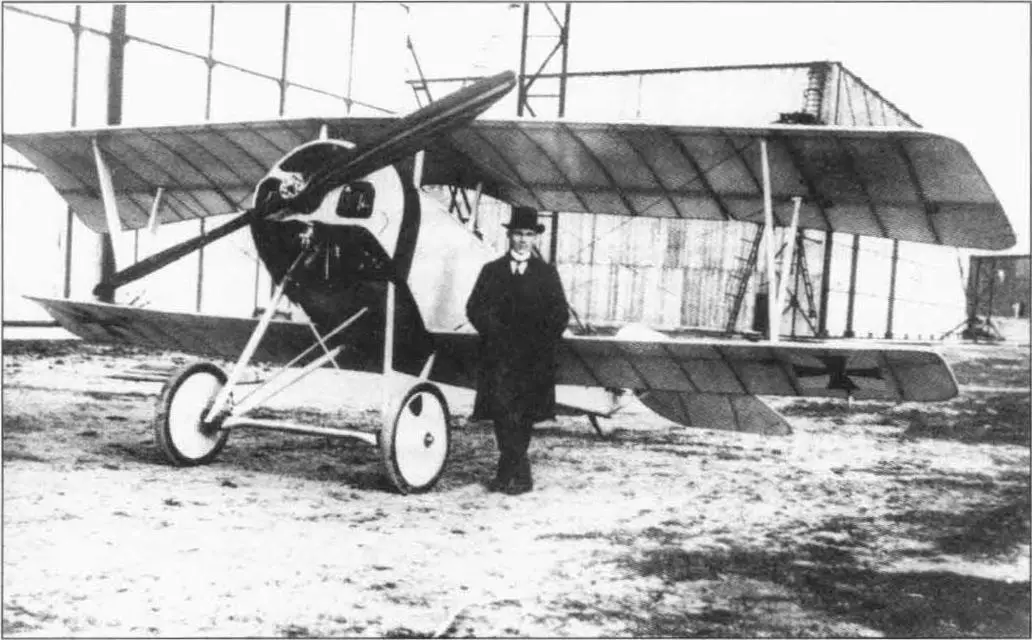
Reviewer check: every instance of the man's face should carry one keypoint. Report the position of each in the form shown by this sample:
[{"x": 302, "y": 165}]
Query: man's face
[{"x": 522, "y": 240}]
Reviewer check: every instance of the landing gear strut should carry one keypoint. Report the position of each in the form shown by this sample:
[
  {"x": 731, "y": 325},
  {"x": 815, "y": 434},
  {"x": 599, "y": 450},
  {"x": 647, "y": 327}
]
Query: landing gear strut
[{"x": 197, "y": 410}]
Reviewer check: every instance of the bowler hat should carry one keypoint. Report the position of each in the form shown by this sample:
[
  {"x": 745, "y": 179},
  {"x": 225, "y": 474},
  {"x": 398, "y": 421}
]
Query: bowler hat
[{"x": 524, "y": 218}]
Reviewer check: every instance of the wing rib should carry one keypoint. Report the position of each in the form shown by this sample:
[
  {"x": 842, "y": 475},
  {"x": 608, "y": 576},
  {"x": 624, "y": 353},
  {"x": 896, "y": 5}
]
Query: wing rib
[
  {"x": 558, "y": 169},
  {"x": 927, "y": 206},
  {"x": 605, "y": 172},
  {"x": 687, "y": 155}
]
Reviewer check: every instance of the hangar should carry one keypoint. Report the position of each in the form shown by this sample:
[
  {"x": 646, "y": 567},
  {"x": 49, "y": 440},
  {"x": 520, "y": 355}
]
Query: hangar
[{"x": 90, "y": 65}]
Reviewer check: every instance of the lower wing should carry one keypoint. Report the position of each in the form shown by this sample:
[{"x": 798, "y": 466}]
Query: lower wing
[
  {"x": 693, "y": 382},
  {"x": 735, "y": 367}
]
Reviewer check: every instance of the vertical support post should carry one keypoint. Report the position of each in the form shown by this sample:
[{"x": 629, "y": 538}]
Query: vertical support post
[
  {"x": 773, "y": 312},
  {"x": 822, "y": 319},
  {"x": 116, "y": 64},
  {"x": 286, "y": 53},
  {"x": 207, "y": 116},
  {"x": 892, "y": 290},
  {"x": 282, "y": 85},
  {"x": 69, "y": 218},
  {"x": 993, "y": 271},
  {"x": 388, "y": 346},
  {"x": 351, "y": 56},
  {"x": 210, "y": 61},
  {"x": 565, "y": 44},
  {"x": 553, "y": 241},
  {"x": 200, "y": 269},
  {"x": 116, "y": 71},
  {"x": 799, "y": 260},
  {"x": 849, "y": 333},
  {"x": 974, "y": 275},
  {"x": 473, "y": 224},
  {"x": 257, "y": 278},
  {"x": 521, "y": 89}
]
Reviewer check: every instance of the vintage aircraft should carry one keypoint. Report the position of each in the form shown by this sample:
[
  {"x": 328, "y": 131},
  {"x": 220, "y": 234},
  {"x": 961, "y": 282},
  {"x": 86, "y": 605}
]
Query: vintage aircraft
[{"x": 338, "y": 218}]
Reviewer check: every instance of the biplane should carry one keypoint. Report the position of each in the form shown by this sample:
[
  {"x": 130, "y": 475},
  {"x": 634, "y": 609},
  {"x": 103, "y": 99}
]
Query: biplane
[{"x": 382, "y": 271}]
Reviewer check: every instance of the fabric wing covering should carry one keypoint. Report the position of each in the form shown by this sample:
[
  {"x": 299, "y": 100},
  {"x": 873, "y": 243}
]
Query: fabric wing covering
[
  {"x": 681, "y": 366},
  {"x": 890, "y": 183},
  {"x": 899, "y": 184}
]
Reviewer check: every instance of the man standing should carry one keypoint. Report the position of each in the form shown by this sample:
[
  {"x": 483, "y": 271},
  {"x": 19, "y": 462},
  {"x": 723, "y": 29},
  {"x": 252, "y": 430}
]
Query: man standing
[{"x": 519, "y": 309}]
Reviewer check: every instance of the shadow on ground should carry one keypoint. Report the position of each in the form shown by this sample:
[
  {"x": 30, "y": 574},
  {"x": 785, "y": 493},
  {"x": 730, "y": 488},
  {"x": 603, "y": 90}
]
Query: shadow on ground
[
  {"x": 824, "y": 583},
  {"x": 994, "y": 418},
  {"x": 908, "y": 604},
  {"x": 973, "y": 417},
  {"x": 989, "y": 531}
]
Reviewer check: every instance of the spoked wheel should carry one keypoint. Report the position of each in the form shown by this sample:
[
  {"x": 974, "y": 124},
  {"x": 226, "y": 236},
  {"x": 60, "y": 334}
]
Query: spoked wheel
[
  {"x": 414, "y": 442},
  {"x": 178, "y": 426}
]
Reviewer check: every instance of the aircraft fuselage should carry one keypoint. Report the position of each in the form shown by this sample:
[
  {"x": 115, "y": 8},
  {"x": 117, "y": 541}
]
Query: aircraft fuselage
[{"x": 353, "y": 239}]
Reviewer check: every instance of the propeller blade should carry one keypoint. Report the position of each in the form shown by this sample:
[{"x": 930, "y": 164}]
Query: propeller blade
[
  {"x": 408, "y": 135},
  {"x": 152, "y": 263},
  {"x": 403, "y": 138}
]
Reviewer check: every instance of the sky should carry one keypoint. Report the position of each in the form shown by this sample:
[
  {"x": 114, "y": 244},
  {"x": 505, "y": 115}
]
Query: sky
[{"x": 959, "y": 69}]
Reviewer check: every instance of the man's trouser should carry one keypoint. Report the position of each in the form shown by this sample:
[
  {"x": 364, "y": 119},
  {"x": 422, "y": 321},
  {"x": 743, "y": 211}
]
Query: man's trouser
[{"x": 513, "y": 435}]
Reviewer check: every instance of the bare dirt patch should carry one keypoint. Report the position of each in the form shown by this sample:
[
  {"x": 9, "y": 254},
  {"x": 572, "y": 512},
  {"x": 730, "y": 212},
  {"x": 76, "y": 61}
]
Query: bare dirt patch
[{"x": 909, "y": 520}]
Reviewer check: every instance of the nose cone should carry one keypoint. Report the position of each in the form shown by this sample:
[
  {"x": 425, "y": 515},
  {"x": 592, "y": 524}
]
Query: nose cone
[{"x": 294, "y": 172}]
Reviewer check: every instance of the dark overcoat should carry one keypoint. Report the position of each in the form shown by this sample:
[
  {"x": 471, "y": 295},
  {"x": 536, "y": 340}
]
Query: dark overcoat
[{"x": 520, "y": 319}]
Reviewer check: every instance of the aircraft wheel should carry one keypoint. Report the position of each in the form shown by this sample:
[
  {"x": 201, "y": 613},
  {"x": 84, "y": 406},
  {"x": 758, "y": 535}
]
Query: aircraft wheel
[
  {"x": 187, "y": 395},
  {"x": 415, "y": 440}
]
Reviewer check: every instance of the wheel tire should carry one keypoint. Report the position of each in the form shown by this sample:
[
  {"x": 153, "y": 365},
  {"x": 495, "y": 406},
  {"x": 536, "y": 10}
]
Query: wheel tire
[
  {"x": 184, "y": 400},
  {"x": 415, "y": 439}
]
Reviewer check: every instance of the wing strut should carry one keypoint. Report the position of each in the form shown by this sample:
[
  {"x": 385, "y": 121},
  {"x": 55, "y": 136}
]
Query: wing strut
[
  {"x": 107, "y": 193},
  {"x": 786, "y": 259},
  {"x": 388, "y": 346},
  {"x": 776, "y": 289},
  {"x": 152, "y": 222},
  {"x": 404, "y": 137},
  {"x": 773, "y": 313}
]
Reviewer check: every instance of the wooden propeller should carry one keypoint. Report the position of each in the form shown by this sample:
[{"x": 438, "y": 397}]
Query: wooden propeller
[{"x": 406, "y": 136}]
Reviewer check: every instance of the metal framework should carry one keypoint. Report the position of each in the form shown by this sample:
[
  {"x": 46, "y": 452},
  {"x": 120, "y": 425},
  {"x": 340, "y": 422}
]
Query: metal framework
[
  {"x": 558, "y": 37},
  {"x": 118, "y": 38},
  {"x": 827, "y": 99},
  {"x": 543, "y": 87},
  {"x": 997, "y": 286}
]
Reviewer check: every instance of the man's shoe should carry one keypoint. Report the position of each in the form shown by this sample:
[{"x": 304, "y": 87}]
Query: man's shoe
[
  {"x": 496, "y": 484},
  {"x": 522, "y": 481},
  {"x": 515, "y": 488}
]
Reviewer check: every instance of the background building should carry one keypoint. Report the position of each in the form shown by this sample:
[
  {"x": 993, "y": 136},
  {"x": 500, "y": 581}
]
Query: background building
[{"x": 139, "y": 64}]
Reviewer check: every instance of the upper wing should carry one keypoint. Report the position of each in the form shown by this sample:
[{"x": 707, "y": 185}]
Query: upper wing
[
  {"x": 900, "y": 184},
  {"x": 730, "y": 367},
  {"x": 204, "y": 170}
]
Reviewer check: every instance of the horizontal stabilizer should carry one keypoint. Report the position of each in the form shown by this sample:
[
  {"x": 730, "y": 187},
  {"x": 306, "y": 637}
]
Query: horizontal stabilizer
[{"x": 745, "y": 414}]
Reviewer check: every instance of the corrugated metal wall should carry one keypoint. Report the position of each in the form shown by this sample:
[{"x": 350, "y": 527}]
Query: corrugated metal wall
[
  {"x": 676, "y": 274},
  {"x": 662, "y": 272},
  {"x": 667, "y": 273}
]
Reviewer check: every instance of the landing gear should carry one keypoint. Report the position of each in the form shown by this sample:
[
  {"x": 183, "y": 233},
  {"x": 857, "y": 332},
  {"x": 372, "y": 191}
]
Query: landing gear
[
  {"x": 179, "y": 427},
  {"x": 414, "y": 440},
  {"x": 197, "y": 409}
]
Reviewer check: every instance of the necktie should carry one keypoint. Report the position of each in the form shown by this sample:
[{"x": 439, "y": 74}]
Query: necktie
[{"x": 518, "y": 266}]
